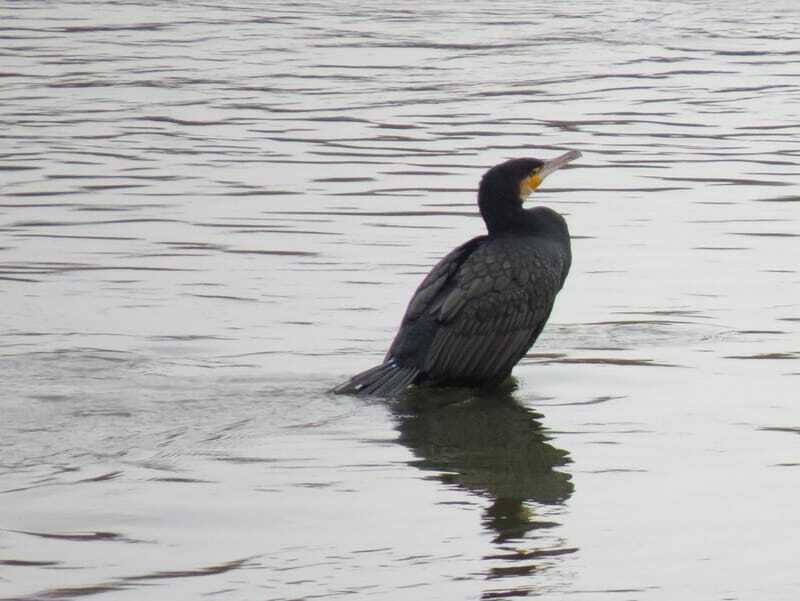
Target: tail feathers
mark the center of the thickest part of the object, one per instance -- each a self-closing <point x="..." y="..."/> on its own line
<point x="387" y="379"/>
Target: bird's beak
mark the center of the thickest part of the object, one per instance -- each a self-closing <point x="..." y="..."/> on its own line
<point x="534" y="181"/>
<point x="558" y="163"/>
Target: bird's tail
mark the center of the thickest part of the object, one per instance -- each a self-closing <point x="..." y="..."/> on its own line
<point x="386" y="380"/>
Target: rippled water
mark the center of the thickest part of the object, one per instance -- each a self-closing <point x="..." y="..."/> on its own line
<point x="210" y="214"/>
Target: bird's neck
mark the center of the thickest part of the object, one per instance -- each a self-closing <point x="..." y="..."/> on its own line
<point x="501" y="216"/>
<point x="536" y="221"/>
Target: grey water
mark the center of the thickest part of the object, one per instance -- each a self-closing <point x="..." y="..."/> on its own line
<point x="211" y="213"/>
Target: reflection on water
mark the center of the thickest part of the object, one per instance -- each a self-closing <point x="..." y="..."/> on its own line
<point x="487" y="443"/>
<point x="491" y="445"/>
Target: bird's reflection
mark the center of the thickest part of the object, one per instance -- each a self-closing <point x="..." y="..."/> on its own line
<point x="487" y="443"/>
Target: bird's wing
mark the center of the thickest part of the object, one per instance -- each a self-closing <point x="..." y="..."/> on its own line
<point x="439" y="278"/>
<point x="492" y="311"/>
<point x="432" y="287"/>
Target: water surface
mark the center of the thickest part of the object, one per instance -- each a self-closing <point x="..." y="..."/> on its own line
<point x="211" y="214"/>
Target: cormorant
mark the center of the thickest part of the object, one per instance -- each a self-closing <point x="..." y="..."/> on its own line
<point x="483" y="305"/>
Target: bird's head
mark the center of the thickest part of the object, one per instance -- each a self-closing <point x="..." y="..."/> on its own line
<point x="506" y="186"/>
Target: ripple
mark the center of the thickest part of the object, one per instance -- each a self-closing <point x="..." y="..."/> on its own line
<point x="768" y="356"/>
<point x="80" y="537"/>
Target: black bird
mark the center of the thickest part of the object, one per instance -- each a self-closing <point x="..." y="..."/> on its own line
<point x="483" y="305"/>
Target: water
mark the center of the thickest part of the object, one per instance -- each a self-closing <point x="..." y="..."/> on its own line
<point x="210" y="214"/>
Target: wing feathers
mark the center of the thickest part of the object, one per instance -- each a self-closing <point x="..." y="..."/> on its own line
<point x="483" y="306"/>
<point x="488" y="321"/>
